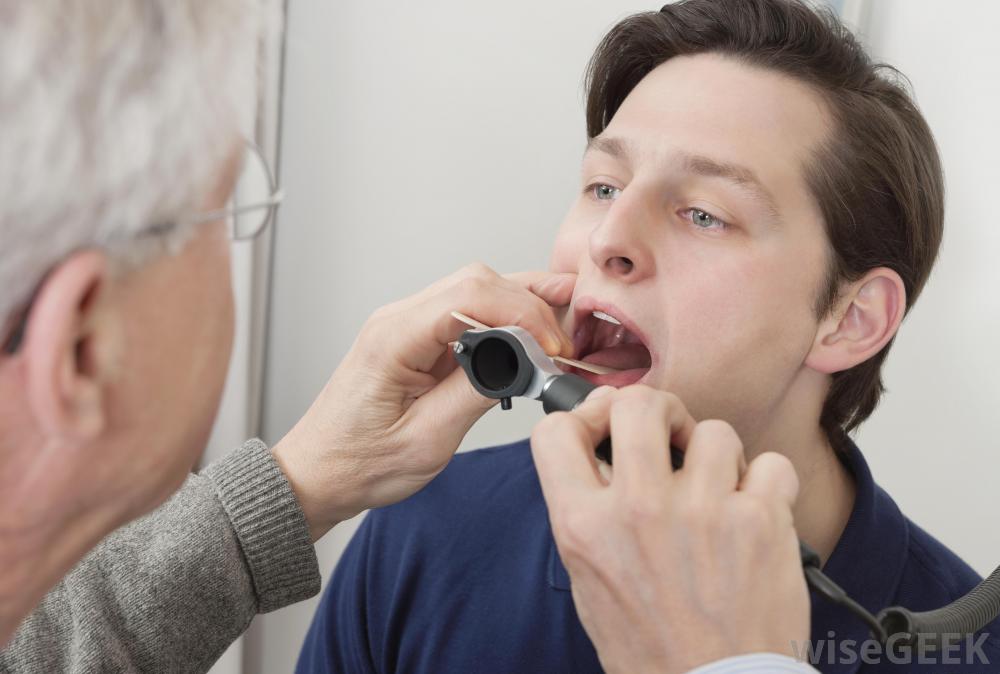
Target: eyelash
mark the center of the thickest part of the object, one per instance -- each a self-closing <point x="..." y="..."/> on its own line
<point x="723" y="225"/>
<point x="592" y="190"/>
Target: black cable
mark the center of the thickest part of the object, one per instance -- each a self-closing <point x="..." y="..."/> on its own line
<point x="828" y="589"/>
<point x="825" y="586"/>
<point x="929" y="630"/>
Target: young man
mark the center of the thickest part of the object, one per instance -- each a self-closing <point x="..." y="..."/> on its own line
<point x="759" y="207"/>
<point x="115" y="331"/>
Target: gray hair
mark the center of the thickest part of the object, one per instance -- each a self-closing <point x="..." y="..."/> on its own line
<point x="116" y="116"/>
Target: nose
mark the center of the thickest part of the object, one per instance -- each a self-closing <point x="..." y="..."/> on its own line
<point x="619" y="245"/>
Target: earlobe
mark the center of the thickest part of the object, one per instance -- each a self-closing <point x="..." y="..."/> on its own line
<point x="863" y="323"/>
<point x="61" y="348"/>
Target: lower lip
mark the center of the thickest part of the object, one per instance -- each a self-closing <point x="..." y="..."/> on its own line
<point x="616" y="379"/>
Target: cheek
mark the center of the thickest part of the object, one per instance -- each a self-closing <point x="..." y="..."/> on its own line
<point x="223" y="298"/>
<point x="570" y="245"/>
<point x="740" y="315"/>
<point x="215" y="341"/>
<point x="205" y="309"/>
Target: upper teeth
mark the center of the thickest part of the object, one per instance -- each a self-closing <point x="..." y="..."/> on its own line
<point x="605" y="317"/>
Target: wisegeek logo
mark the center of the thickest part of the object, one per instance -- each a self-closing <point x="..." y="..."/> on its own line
<point x="955" y="649"/>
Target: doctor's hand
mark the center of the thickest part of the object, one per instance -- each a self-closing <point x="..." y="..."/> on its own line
<point x="397" y="407"/>
<point x="671" y="570"/>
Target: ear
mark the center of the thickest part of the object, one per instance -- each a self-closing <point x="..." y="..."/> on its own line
<point x="864" y="321"/>
<point x="67" y="348"/>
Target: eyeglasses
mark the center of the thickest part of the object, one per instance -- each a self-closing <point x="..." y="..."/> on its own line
<point x="254" y="201"/>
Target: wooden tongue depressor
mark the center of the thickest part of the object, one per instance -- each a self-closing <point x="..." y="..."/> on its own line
<point x="589" y="367"/>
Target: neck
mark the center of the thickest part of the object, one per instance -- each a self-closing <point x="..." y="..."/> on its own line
<point x="826" y="487"/>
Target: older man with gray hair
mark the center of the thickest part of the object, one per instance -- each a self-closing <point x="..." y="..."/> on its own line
<point x="124" y="126"/>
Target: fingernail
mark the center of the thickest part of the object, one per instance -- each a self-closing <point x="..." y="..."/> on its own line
<point x="555" y="343"/>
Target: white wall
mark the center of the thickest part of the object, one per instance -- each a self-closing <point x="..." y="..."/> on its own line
<point x="933" y="443"/>
<point x="421" y="136"/>
<point x="417" y="137"/>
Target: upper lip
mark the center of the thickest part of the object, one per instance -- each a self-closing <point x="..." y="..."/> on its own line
<point x="587" y="305"/>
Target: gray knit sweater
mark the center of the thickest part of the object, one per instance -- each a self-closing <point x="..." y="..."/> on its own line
<point x="171" y="591"/>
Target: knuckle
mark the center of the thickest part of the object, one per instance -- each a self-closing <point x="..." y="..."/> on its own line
<point x="383" y="312"/>
<point x="519" y="318"/>
<point x="641" y="510"/>
<point x="647" y="392"/>
<point x="372" y="327"/>
<point x="476" y="270"/>
<point x="713" y="435"/>
<point x="549" y="426"/>
<point x="669" y="405"/>
<point x="719" y="430"/>
<point x="574" y="530"/>
<point x="671" y="398"/>
<point x="628" y="401"/>
<point x="539" y="305"/>
<point x="472" y="287"/>
<point x="637" y="393"/>
<point x="541" y="312"/>
<point x="533" y="309"/>
<point x="649" y="399"/>
<point x="778" y="465"/>
<point x="752" y="515"/>
<point x="696" y="516"/>
<point x="774" y="460"/>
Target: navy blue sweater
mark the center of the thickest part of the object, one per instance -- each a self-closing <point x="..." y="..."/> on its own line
<point x="464" y="577"/>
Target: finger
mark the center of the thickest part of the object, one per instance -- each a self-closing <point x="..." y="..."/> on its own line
<point x="771" y="475"/>
<point x="594" y="413"/>
<point x="420" y="334"/>
<point x="452" y="403"/>
<point x="592" y="417"/>
<point x="644" y="422"/>
<point x="713" y="460"/>
<point x="555" y="288"/>
<point x="562" y="445"/>
<point x="445" y="365"/>
<point x="474" y="270"/>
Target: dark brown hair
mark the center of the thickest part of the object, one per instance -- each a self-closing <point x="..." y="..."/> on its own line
<point x="877" y="177"/>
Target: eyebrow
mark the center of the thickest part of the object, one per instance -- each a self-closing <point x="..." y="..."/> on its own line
<point x="741" y="176"/>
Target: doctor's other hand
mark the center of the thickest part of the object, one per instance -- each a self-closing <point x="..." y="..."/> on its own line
<point x="397" y="407"/>
<point x="671" y="570"/>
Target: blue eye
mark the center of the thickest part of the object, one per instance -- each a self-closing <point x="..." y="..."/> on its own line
<point x="603" y="191"/>
<point x="705" y="220"/>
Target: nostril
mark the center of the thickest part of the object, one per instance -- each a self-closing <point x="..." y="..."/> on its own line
<point x="619" y="265"/>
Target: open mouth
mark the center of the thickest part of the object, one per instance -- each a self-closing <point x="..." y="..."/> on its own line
<point x="602" y="337"/>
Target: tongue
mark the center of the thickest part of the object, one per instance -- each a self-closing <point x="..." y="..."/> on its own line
<point x="621" y="357"/>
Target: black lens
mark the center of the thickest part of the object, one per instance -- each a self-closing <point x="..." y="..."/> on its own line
<point x="495" y="364"/>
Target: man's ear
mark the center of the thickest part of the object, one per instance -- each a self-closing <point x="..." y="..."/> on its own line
<point x="865" y="319"/>
<point x="68" y="347"/>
